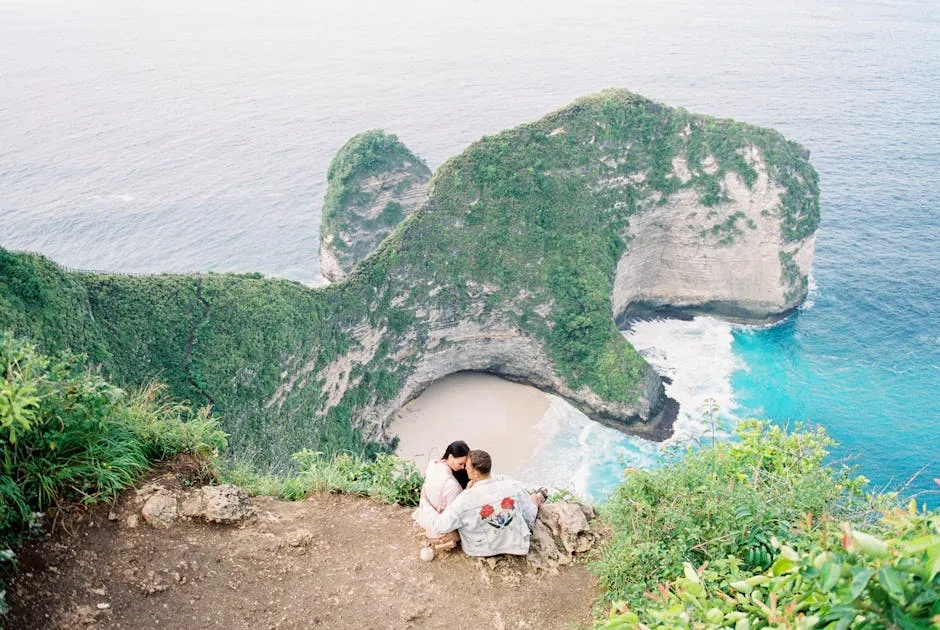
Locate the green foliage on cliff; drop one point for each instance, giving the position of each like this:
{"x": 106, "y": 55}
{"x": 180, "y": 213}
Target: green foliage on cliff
{"x": 42, "y": 301}
{"x": 366, "y": 155}
{"x": 746, "y": 534}
{"x": 222, "y": 340}
{"x": 793, "y": 281}
{"x": 522, "y": 232}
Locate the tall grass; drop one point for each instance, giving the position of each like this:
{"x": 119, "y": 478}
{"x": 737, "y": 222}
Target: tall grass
{"x": 385, "y": 477}
{"x": 67, "y": 436}
{"x": 730, "y": 499}
{"x": 762, "y": 533}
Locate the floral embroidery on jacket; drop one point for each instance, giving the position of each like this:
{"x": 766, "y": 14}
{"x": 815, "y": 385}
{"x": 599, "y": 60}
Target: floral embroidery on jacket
{"x": 503, "y": 517}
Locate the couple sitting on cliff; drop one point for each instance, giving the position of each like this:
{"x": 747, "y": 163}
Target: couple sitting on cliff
{"x": 462, "y": 502}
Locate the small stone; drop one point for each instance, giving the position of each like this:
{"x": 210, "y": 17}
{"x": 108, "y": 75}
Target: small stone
{"x": 104, "y": 606}
{"x": 299, "y": 538}
{"x": 426, "y": 554}
{"x": 160, "y": 510}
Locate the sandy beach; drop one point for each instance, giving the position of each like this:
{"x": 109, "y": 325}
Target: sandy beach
{"x": 485, "y": 411}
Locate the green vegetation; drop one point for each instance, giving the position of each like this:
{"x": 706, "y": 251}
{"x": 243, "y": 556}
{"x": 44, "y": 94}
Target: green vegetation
{"x": 522, "y": 231}
{"x": 352, "y": 192}
{"x": 385, "y": 477}
{"x": 67, "y": 436}
{"x": 794, "y": 282}
{"x": 746, "y": 534}
{"x": 727, "y": 230}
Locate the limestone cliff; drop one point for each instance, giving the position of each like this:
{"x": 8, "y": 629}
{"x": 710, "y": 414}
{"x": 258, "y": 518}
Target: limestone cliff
{"x": 529, "y": 245}
{"x": 373, "y": 183}
{"x": 731, "y": 259}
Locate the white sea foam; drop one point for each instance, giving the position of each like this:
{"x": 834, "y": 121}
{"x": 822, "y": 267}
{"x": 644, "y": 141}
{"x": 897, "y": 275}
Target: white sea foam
{"x": 587, "y": 458}
{"x": 810, "y": 300}
{"x": 696, "y": 355}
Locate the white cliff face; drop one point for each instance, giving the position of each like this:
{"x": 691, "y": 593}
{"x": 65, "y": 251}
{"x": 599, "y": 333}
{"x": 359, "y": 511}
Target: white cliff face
{"x": 723, "y": 259}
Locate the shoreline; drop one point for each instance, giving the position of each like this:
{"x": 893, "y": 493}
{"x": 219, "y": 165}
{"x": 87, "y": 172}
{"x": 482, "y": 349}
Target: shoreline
{"x": 486, "y": 411}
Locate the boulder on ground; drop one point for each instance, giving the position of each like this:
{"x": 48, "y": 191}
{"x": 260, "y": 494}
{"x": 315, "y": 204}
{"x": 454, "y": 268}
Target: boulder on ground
{"x": 561, "y": 531}
{"x": 218, "y": 504}
{"x": 159, "y": 510}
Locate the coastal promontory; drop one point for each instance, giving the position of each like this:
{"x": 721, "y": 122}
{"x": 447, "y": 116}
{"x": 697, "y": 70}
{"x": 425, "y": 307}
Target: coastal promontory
{"x": 528, "y": 249}
{"x": 374, "y": 183}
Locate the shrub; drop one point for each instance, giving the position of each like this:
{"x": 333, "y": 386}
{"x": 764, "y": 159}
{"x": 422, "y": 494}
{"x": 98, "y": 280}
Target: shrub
{"x": 68, "y": 435}
{"x": 731, "y": 499}
{"x": 830, "y": 579}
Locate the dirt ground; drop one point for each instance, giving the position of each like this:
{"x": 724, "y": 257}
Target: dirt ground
{"x": 330, "y": 561}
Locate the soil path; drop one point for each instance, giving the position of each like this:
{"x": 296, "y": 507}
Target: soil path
{"x": 330, "y": 561}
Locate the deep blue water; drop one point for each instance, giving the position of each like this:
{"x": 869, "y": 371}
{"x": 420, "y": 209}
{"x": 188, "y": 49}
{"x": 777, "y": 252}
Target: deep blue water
{"x": 192, "y": 136}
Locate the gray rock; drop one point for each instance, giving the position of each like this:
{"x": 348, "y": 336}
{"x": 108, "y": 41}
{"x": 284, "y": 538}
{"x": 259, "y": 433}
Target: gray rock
{"x": 561, "y": 531}
{"x": 160, "y": 510}
{"x": 299, "y": 538}
{"x": 218, "y": 504}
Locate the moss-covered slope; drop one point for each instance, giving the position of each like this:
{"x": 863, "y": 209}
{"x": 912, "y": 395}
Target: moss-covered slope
{"x": 374, "y": 183}
{"x": 508, "y": 268}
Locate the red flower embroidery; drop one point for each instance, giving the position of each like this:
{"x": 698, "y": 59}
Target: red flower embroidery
{"x": 507, "y": 503}
{"x": 486, "y": 511}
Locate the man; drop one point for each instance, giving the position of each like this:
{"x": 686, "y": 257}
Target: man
{"x": 492, "y": 516}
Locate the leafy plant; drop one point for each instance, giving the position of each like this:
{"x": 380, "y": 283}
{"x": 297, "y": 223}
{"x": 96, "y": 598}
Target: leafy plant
{"x": 730, "y": 499}
{"x": 830, "y": 578}
{"x": 70, "y": 436}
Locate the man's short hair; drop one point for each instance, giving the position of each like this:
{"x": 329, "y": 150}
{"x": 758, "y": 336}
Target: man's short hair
{"x": 481, "y": 461}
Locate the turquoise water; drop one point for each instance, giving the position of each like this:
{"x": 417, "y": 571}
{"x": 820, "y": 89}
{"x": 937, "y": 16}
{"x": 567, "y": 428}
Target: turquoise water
{"x": 181, "y": 136}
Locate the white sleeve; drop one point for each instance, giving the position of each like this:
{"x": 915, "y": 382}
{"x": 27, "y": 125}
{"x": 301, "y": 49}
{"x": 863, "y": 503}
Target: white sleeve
{"x": 448, "y": 520}
{"x": 450, "y": 491}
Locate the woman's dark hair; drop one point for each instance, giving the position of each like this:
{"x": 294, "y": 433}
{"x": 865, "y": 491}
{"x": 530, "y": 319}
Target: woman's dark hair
{"x": 481, "y": 461}
{"x": 457, "y": 449}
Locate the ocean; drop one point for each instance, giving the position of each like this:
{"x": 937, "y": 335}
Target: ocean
{"x": 177, "y": 136}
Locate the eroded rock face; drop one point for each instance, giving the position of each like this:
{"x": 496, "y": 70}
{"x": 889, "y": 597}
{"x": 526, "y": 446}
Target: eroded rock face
{"x": 561, "y": 532}
{"x": 374, "y": 183}
{"x": 730, "y": 259}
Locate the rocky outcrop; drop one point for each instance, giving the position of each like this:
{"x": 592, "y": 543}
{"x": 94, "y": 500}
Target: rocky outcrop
{"x": 703, "y": 215}
{"x": 374, "y": 183}
{"x": 561, "y": 532}
{"x": 729, "y": 259}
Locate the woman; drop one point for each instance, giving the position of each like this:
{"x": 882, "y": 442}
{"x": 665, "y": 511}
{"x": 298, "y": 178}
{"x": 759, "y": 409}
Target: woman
{"x": 441, "y": 486}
